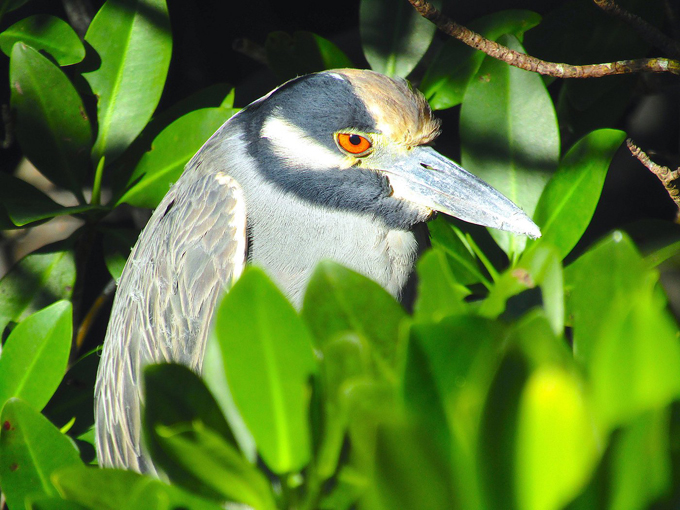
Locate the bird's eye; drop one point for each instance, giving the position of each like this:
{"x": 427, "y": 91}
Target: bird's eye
{"x": 354, "y": 144}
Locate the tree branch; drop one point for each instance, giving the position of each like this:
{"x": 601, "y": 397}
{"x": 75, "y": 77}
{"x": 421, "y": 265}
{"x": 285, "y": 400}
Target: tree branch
{"x": 529, "y": 63}
{"x": 665, "y": 174}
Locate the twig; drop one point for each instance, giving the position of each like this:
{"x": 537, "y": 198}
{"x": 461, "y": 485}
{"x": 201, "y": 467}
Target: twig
{"x": 665, "y": 174}
{"x": 529, "y": 63}
{"x": 649, "y": 32}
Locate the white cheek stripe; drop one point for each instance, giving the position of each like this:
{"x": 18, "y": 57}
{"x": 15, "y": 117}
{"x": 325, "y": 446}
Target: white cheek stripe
{"x": 298, "y": 148}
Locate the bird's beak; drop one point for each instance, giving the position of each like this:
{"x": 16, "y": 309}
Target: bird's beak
{"x": 427, "y": 178}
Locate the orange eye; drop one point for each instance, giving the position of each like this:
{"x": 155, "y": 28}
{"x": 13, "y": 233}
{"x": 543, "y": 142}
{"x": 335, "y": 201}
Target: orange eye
{"x": 353, "y": 143}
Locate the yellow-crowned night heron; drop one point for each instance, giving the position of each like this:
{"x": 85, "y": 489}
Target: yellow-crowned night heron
{"x": 335, "y": 165}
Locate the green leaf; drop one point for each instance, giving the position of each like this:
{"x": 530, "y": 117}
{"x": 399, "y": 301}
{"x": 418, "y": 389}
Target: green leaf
{"x": 35, "y": 355}
{"x": 641, "y": 462}
{"x": 624, "y": 337}
{"x": 113, "y": 489}
{"x": 216, "y": 463}
{"x": 448, "y": 75}
{"x": 338, "y": 300}
{"x": 117, "y": 244}
{"x": 133, "y": 41}
{"x": 439, "y": 294}
{"x": 509, "y": 135}
{"x": 268, "y": 360}
{"x": 303, "y": 53}
{"x": 52, "y": 125}
{"x": 26, "y": 204}
{"x": 568, "y": 202}
{"x": 31, "y": 449}
{"x": 394, "y": 36}
{"x": 170, "y": 151}
{"x": 36, "y": 281}
{"x": 52, "y": 503}
{"x": 556, "y": 443}
{"x": 449, "y": 238}
{"x": 45, "y": 33}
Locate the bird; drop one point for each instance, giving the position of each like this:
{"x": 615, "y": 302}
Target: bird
{"x": 334, "y": 165}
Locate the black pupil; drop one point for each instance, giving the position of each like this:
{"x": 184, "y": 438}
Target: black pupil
{"x": 354, "y": 139}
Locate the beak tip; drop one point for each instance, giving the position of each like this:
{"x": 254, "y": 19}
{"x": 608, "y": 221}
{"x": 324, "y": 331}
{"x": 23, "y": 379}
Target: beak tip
{"x": 522, "y": 224}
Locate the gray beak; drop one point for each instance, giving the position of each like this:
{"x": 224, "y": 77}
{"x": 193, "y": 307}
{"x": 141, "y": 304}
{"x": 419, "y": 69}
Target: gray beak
{"x": 429, "y": 179}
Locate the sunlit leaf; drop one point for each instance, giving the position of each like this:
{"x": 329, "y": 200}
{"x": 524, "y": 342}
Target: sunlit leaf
{"x": 170, "y": 151}
{"x": 45, "y": 33}
{"x": 35, "y": 355}
{"x": 568, "y": 202}
{"x": 448, "y": 75}
{"x": 509, "y": 135}
{"x": 132, "y": 39}
{"x": 31, "y": 449}
{"x": 268, "y": 359}
{"x": 393, "y": 35}
{"x": 52, "y": 125}
{"x": 36, "y": 281}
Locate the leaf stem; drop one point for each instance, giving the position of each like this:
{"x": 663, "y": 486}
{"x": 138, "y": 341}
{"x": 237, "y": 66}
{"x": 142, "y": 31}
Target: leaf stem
{"x": 482, "y": 257}
{"x": 97, "y": 185}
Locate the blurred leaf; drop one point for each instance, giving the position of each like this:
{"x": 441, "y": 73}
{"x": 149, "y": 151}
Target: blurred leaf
{"x": 303, "y": 53}
{"x": 641, "y": 463}
{"x": 74, "y": 398}
{"x": 268, "y": 360}
{"x": 117, "y": 244}
{"x": 338, "y": 300}
{"x": 623, "y": 335}
{"x": 394, "y": 36}
{"x": 216, "y": 464}
{"x": 449, "y": 238}
{"x": 170, "y": 151}
{"x": 45, "y": 33}
{"x": 31, "y": 449}
{"x": 411, "y": 470}
{"x": 556, "y": 443}
{"x": 36, "y": 281}
{"x": 454, "y": 361}
{"x": 35, "y": 355}
{"x": 52, "y": 503}
{"x": 568, "y": 202}
{"x": 133, "y": 41}
{"x": 10, "y": 5}
{"x": 439, "y": 294}
{"x": 52, "y": 125}
{"x": 448, "y": 75}
{"x": 113, "y": 489}
{"x": 509, "y": 135}
{"x": 541, "y": 267}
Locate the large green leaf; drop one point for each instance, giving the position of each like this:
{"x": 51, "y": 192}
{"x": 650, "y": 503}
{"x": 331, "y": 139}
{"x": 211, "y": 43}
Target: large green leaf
{"x": 133, "y": 41}
{"x": 31, "y": 450}
{"x": 624, "y": 337}
{"x": 556, "y": 443}
{"x": 52, "y": 125}
{"x": 439, "y": 294}
{"x": 113, "y": 489}
{"x": 339, "y": 300}
{"x": 568, "y": 202}
{"x": 303, "y": 53}
{"x": 268, "y": 359}
{"x": 509, "y": 135}
{"x": 34, "y": 358}
{"x": 45, "y": 33}
{"x": 170, "y": 151}
{"x": 393, "y": 35}
{"x": 448, "y": 75}
{"x": 36, "y": 281}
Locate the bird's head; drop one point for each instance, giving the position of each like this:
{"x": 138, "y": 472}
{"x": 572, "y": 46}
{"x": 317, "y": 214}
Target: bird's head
{"x": 358, "y": 140}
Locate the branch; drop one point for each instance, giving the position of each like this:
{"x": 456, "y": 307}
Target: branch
{"x": 529, "y": 63}
{"x": 665, "y": 174}
{"x": 649, "y": 32}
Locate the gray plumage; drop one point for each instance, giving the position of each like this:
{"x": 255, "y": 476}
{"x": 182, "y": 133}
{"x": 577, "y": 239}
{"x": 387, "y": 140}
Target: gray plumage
{"x": 275, "y": 186}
